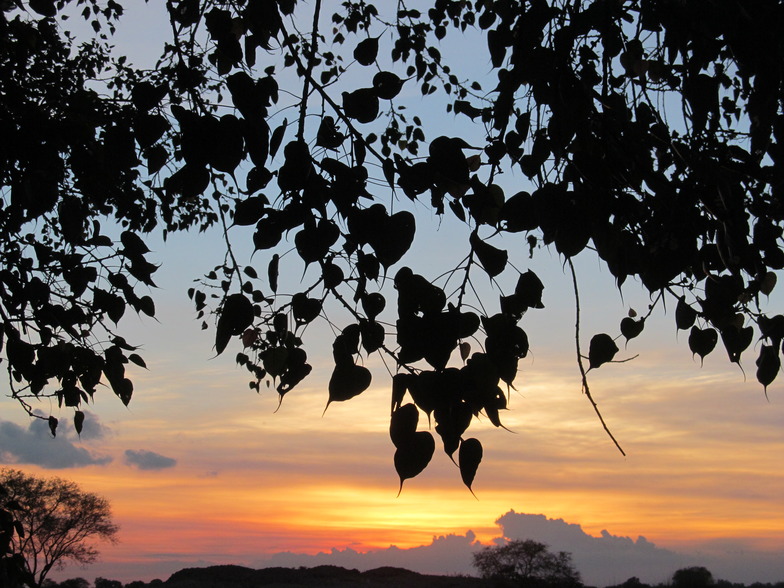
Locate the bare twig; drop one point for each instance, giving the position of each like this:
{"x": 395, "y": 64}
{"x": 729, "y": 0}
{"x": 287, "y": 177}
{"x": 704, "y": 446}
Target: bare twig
{"x": 311, "y": 60}
{"x": 586, "y": 389}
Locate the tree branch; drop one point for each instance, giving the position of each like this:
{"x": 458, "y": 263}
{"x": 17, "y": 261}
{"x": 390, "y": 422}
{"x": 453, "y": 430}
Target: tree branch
{"x": 583, "y": 374}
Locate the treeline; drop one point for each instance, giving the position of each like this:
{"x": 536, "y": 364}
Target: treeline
{"x": 694, "y": 577}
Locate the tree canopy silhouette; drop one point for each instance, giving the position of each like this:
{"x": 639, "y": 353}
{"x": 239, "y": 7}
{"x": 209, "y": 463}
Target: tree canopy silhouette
{"x": 55, "y": 522}
{"x": 648, "y": 132}
{"x": 528, "y": 564}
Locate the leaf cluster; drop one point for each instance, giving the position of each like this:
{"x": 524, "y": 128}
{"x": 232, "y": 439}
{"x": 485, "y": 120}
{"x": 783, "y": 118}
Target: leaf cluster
{"x": 648, "y": 134}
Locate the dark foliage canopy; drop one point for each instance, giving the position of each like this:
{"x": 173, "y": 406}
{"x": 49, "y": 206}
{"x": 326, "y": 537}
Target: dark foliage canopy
{"x": 649, "y": 132}
{"x": 527, "y": 563}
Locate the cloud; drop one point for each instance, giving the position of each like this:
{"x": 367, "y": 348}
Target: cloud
{"x": 445, "y": 554}
{"x": 602, "y": 561}
{"x": 36, "y": 446}
{"x": 148, "y": 460}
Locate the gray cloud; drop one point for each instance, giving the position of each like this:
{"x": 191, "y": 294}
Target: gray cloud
{"x": 148, "y": 460}
{"x": 603, "y": 561}
{"x": 36, "y": 446}
{"x": 446, "y": 554}
{"x": 608, "y": 559}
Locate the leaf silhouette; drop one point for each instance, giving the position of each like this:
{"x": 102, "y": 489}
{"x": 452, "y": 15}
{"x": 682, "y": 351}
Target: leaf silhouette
{"x": 412, "y": 458}
{"x": 685, "y": 315}
{"x": 602, "y": 349}
{"x": 361, "y": 105}
{"x": 403, "y": 424}
{"x": 236, "y": 316}
{"x": 631, "y": 328}
{"x": 366, "y": 51}
{"x": 702, "y": 341}
{"x": 348, "y": 381}
{"x": 387, "y": 85}
{"x": 493, "y": 260}
{"x": 78, "y": 421}
{"x": 469, "y": 458}
{"x": 768, "y": 365}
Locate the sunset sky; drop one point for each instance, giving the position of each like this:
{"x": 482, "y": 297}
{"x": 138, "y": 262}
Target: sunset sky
{"x": 200, "y": 469}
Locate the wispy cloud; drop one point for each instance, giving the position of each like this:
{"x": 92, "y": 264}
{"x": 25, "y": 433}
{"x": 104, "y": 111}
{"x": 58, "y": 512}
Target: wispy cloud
{"x": 35, "y": 445}
{"x": 148, "y": 460}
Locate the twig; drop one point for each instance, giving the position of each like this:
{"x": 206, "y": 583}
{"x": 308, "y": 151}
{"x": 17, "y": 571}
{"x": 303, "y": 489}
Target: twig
{"x": 303, "y": 106}
{"x": 583, "y": 374}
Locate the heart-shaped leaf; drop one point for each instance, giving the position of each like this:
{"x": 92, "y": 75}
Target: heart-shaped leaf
{"x": 366, "y": 51}
{"x": 403, "y": 424}
{"x": 348, "y": 381}
{"x": 631, "y": 328}
{"x": 602, "y": 349}
{"x": 702, "y": 341}
{"x": 305, "y": 309}
{"x": 412, "y": 458}
{"x": 313, "y": 243}
{"x": 469, "y": 458}
{"x": 387, "y": 85}
{"x": 736, "y": 341}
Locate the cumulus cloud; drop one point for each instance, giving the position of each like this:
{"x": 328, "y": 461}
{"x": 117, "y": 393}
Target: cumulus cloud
{"x": 602, "y": 561}
{"x": 148, "y": 460}
{"x": 35, "y": 445}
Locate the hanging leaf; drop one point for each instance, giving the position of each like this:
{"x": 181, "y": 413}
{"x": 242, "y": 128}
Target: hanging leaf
{"x": 768, "y": 365}
{"x": 469, "y": 458}
{"x": 272, "y": 272}
{"x": 685, "y": 315}
{"x": 53, "y": 425}
{"x": 736, "y": 341}
{"x": 361, "y": 105}
{"x": 631, "y": 328}
{"x": 251, "y": 210}
{"x": 702, "y": 341}
{"x": 403, "y": 424}
{"x": 493, "y": 260}
{"x": 387, "y": 85}
{"x": 366, "y": 51}
{"x": 236, "y": 316}
{"x": 348, "y": 381}
{"x": 305, "y": 309}
{"x": 602, "y": 349}
{"x": 277, "y": 138}
{"x": 78, "y": 421}
{"x": 412, "y": 458}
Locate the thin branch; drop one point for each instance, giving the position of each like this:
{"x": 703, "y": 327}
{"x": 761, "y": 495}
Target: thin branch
{"x": 313, "y": 50}
{"x": 583, "y": 373}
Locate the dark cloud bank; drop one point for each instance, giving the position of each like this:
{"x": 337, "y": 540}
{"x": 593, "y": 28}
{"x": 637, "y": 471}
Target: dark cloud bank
{"x": 35, "y": 445}
{"x": 604, "y": 560}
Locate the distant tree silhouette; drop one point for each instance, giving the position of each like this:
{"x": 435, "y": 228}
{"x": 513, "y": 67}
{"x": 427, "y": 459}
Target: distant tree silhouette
{"x": 57, "y": 523}
{"x": 527, "y": 563}
{"x": 648, "y": 135}
{"x": 74, "y": 583}
{"x": 693, "y": 577}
